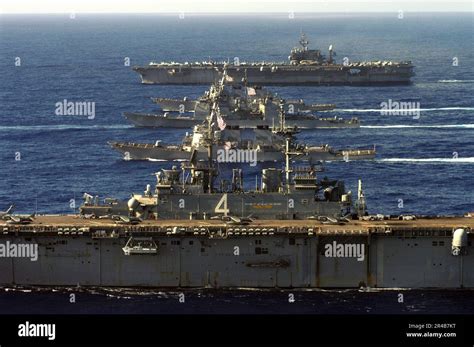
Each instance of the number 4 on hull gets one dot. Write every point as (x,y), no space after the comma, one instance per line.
(221,207)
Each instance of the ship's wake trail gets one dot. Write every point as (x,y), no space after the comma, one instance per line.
(397,126)
(456,81)
(160,160)
(466,160)
(395,112)
(62,127)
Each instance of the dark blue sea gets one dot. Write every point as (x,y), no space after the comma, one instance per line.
(426,161)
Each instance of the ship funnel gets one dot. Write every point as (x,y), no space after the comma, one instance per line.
(271,180)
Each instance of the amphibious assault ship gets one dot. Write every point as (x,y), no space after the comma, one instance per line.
(241,106)
(233,143)
(305,66)
(294,231)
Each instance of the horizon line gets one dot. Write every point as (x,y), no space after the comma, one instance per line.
(239,13)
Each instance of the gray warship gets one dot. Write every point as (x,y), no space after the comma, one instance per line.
(240,106)
(188,105)
(247,119)
(305,67)
(236,91)
(292,231)
(233,143)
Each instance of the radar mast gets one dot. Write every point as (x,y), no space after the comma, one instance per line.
(304,41)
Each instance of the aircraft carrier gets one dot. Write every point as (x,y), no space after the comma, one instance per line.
(305,67)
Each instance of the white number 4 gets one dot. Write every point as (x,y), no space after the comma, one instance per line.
(222,205)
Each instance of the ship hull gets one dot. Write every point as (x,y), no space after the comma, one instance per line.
(283,75)
(260,256)
(180,121)
(133,151)
(160,121)
(175,105)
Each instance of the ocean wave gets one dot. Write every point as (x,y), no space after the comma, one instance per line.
(62,127)
(404,110)
(465,126)
(466,160)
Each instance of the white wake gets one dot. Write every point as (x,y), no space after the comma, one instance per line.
(404,110)
(396,126)
(465,160)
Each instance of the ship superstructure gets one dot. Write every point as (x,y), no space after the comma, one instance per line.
(265,143)
(239,105)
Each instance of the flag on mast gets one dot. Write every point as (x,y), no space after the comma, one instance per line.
(251,91)
(220,122)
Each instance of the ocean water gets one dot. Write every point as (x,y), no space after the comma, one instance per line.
(427,162)
(242,301)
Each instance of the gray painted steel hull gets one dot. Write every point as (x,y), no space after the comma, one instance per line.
(177,105)
(284,75)
(175,121)
(132,151)
(197,261)
(174,105)
(159,121)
